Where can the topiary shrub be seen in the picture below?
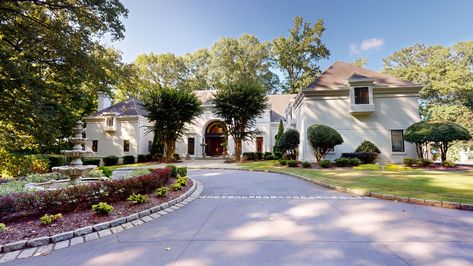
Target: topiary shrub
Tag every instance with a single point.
(282, 162)
(288, 143)
(322, 139)
(102, 208)
(110, 160)
(161, 192)
(138, 198)
(182, 171)
(91, 161)
(306, 164)
(364, 157)
(367, 146)
(409, 161)
(324, 163)
(292, 163)
(128, 159)
(49, 219)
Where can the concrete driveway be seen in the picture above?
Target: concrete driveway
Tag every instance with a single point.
(252, 218)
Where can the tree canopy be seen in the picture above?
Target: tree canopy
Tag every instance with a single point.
(299, 53)
(322, 139)
(170, 110)
(239, 105)
(288, 143)
(51, 64)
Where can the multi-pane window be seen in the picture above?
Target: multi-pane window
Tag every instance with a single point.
(126, 145)
(95, 145)
(362, 95)
(397, 140)
(109, 122)
(190, 146)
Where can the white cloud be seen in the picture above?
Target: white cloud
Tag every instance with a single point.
(365, 45)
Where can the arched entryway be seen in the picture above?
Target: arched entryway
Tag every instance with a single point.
(215, 135)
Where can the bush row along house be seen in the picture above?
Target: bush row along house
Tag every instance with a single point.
(359, 103)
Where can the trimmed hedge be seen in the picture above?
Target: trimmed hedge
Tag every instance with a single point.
(277, 155)
(110, 160)
(34, 204)
(266, 154)
(259, 156)
(128, 159)
(91, 161)
(56, 160)
(16, 165)
(345, 162)
(142, 158)
(324, 163)
(365, 157)
(292, 163)
(250, 156)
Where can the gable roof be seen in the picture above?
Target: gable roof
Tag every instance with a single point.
(337, 75)
(132, 106)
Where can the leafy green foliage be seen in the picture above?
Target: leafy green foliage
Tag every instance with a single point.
(292, 163)
(277, 155)
(288, 143)
(250, 156)
(3, 227)
(282, 162)
(238, 105)
(299, 54)
(409, 161)
(182, 180)
(91, 161)
(128, 159)
(16, 165)
(170, 109)
(138, 172)
(52, 65)
(322, 139)
(324, 163)
(344, 162)
(110, 160)
(173, 169)
(448, 163)
(306, 164)
(102, 208)
(49, 219)
(106, 171)
(138, 198)
(278, 136)
(176, 186)
(364, 157)
(181, 171)
(161, 192)
(367, 146)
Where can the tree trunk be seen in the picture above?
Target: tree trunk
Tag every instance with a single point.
(420, 150)
(169, 150)
(237, 149)
(443, 149)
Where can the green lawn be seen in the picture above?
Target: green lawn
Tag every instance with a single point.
(115, 167)
(456, 186)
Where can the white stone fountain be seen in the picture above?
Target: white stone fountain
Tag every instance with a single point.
(75, 170)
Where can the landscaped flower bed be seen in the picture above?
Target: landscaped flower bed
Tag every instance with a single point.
(75, 204)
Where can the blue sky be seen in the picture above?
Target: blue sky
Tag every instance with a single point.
(371, 29)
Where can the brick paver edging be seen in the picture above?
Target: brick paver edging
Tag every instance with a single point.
(44, 245)
(358, 192)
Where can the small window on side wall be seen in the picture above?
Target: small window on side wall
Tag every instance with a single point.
(190, 146)
(109, 122)
(397, 140)
(95, 145)
(362, 95)
(126, 146)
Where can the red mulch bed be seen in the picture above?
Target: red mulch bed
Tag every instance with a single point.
(32, 228)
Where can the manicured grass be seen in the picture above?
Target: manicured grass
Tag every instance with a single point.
(456, 186)
(115, 167)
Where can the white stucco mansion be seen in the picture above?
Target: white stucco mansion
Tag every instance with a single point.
(360, 104)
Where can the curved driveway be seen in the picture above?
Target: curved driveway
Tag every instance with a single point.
(253, 218)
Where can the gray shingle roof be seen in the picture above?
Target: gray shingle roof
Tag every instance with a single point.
(131, 106)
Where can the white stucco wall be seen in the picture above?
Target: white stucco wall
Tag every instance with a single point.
(392, 112)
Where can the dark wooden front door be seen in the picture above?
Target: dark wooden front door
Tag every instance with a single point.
(214, 146)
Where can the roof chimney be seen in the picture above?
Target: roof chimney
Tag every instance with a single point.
(104, 100)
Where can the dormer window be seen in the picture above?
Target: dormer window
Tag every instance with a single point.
(110, 121)
(362, 95)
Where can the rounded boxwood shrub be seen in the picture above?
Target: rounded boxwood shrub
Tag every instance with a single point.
(292, 163)
(364, 157)
(282, 162)
(128, 159)
(288, 142)
(322, 139)
(345, 162)
(367, 146)
(91, 161)
(182, 171)
(110, 160)
(138, 198)
(161, 192)
(324, 163)
(102, 208)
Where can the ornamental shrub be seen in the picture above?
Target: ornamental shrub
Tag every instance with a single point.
(49, 219)
(142, 158)
(364, 157)
(3, 227)
(31, 204)
(91, 161)
(176, 186)
(409, 161)
(250, 156)
(176, 157)
(102, 208)
(282, 162)
(259, 156)
(128, 159)
(138, 198)
(182, 181)
(266, 154)
(269, 157)
(324, 163)
(106, 171)
(367, 146)
(306, 164)
(161, 192)
(448, 163)
(17, 165)
(181, 171)
(292, 163)
(277, 155)
(345, 162)
(322, 139)
(425, 162)
(288, 143)
(110, 160)
(173, 169)
(55, 160)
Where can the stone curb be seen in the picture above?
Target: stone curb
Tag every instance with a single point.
(434, 203)
(44, 245)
